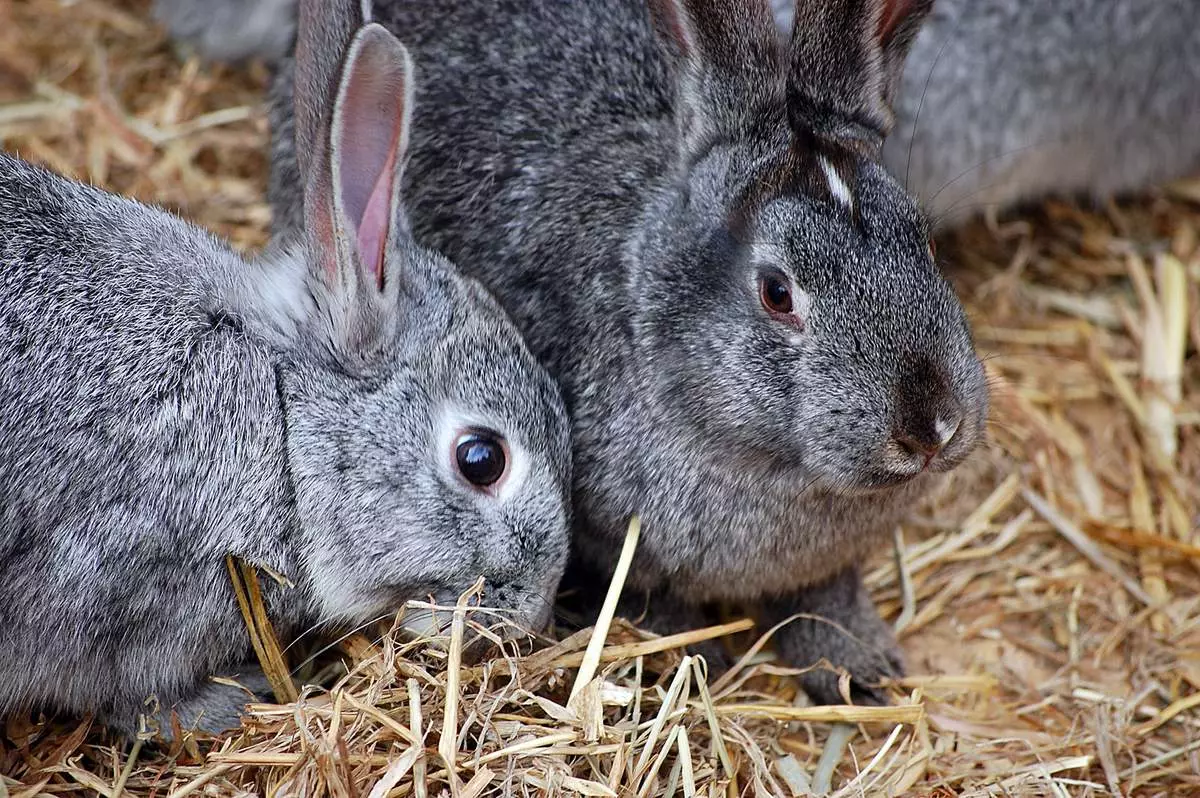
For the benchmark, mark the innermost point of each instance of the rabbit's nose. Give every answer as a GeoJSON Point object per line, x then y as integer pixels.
{"type": "Point", "coordinates": [925, 415]}
{"type": "Point", "coordinates": [927, 437]}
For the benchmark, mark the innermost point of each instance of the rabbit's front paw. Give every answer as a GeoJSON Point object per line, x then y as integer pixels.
{"type": "Point", "coordinates": [216, 707]}
{"type": "Point", "coordinates": [838, 623]}
{"type": "Point", "coordinates": [867, 664]}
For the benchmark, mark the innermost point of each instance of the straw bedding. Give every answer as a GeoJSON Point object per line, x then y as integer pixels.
{"type": "Point", "coordinates": [1047, 596]}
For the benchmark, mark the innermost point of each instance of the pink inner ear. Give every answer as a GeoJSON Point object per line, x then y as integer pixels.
{"type": "Point", "coordinates": [370, 124]}
{"type": "Point", "coordinates": [376, 221]}
{"type": "Point", "coordinates": [891, 15]}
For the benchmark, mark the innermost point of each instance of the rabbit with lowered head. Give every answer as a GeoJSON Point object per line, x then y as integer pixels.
{"type": "Point", "coordinates": [230, 30]}
{"type": "Point", "coordinates": [351, 412]}
{"type": "Point", "coordinates": [692, 226]}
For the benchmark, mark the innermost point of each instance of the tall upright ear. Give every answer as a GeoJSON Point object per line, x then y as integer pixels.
{"type": "Point", "coordinates": [352, 198]}
{"type": "Point", "coordinates": [725, 59]}
{"type": "Point", "coordinates": [846, 60]}
{"type": "Point", "coordinates": [324, 29]}
{"type": "Point", "coordinates": [369, 145]}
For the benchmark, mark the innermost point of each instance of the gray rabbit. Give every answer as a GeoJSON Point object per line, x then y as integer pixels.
{"type": "Point", "coordinates": [230, 30]}
{"type": "Point", "coordinates": [350, 412]}
{"type": "Point", "coordinates": [692, 227]}
{"type": "Point", "coordinates": [1004, 102]}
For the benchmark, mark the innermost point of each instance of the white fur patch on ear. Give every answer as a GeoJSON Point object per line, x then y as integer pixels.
{"type": "Point", "coordinates": [837, 186]}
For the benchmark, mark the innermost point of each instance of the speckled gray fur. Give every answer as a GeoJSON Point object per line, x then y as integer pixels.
{"type": "Point", "coordinates": [230, 30]}
{"type": "Point", "coordinates": [166, 402]}
{"type": "Point", "coordinates": [1019, 100]}
{"type": "Point", "coordinates": [557, 158]}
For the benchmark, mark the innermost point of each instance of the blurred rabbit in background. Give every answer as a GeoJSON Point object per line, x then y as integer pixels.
{"type": "Point", "coordinates": [1002, 102]}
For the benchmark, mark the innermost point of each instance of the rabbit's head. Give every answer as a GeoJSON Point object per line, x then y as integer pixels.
{"type": "Point", "coordinates": [427, 446]}
{"type": "Point", "coordinates": [786, 296]}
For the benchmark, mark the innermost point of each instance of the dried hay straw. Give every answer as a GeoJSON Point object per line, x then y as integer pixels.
{"type": "Point", "coordinates": [1047, 596]}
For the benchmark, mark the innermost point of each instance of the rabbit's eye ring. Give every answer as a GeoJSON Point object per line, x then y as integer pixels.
{"type": "Point", "coordinates": [481, 458]}
{"type": "Point", "coordinates": [776, 293]}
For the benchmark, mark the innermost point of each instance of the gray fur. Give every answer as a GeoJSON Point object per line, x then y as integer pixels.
{"type": "Point", "coordinates": [230, 30]}
{"type": "Point", "coordinates": [167, 403]}
{"type": "Point", "coordinates": [1020, 100]}
{"type": "Point", "coordinates": [588, 170]}
{"type": "Point", "coordinates": [1002, 102]}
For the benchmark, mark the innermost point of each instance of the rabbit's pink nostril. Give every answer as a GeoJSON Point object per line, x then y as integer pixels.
{"type": "Point", "coordinates": [916, 445]}
{"type": "Point", "coordinates": [928, 440]}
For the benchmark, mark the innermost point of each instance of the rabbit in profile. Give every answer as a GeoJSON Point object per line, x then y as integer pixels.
{"type": "Point", "coordinates": [1005, 102]}
{"type": "Point", "coordinates": [691, 225]}
{"type": "Point", "coordinates": [350, 412]}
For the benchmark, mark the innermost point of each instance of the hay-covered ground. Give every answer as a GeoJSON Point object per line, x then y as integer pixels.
{"type": "Point", "coordinates": [1048, 596]}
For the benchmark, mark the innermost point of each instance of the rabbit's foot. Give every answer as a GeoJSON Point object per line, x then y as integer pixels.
{"type": "Point", "coordinates": [840, 625]}
{"type": "Point", "coordinates": [215, 707]}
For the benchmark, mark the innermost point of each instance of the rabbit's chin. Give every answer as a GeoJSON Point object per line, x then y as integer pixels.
{"type": "Point", "coordinates": [423, 618]}
{"type": "Point", "coordinates": [485, 634]}
{"type": "Point", "coordinates": [878, 483]}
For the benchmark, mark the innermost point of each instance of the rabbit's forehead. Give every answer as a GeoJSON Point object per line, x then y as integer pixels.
{"type": "Point", "coordinates": [465, 347]}
{"type": "Point", "coordinates": [826, 180]}
{"type": "Point", "coordinates": [844, 210]}
{"type": "Point", "coordinates": [789, 228]}
{"type": "Point", "coordinates": [486, 372]}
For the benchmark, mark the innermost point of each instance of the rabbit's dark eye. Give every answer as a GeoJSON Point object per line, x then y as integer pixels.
{"type": "Point", "coordinates": [480, 458]}
{"type": "Point", "coordinates": [775, 293]}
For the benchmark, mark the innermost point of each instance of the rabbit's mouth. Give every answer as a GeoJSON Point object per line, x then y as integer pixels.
{"type": "Point", "coordinates": [482, 632]}
{"type": "Point", "coordinates": [879, 481]}
{"type": "Point", "coordinates": [904, 461]}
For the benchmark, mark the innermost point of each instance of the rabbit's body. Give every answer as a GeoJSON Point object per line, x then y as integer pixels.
{"type": "Point", "coordinates": [1008, 101]}
{"type": "Point", "coordinates": [539, 176]}
{"type": "Point", "coordinates": [351, 413]}
{"type": "Point", "coordinates": [557, 162]}
{"type": "Point", "coordinates": [142, 439]}
{"type": "Point", "coordinates": [231, 30]}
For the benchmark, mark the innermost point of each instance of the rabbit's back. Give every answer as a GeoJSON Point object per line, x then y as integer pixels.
{"type": "Point", "coordinates": [1007, 101]}
{"type": "Point", "coordinates": [139, 422]}
{"type": "Point", "coordinates": [550, 71]}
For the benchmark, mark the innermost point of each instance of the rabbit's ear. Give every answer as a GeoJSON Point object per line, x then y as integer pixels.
{"type": "Point", "coordinates": [846, 60]}
{"type": "Point", "coordinates": [725, 57]}
{"type": "Point", "coordinates": [369, 145]}
{"type": "Point", "coordinates": [324, 29]}
{"type": "Point", "coordinates": [352, 199]}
